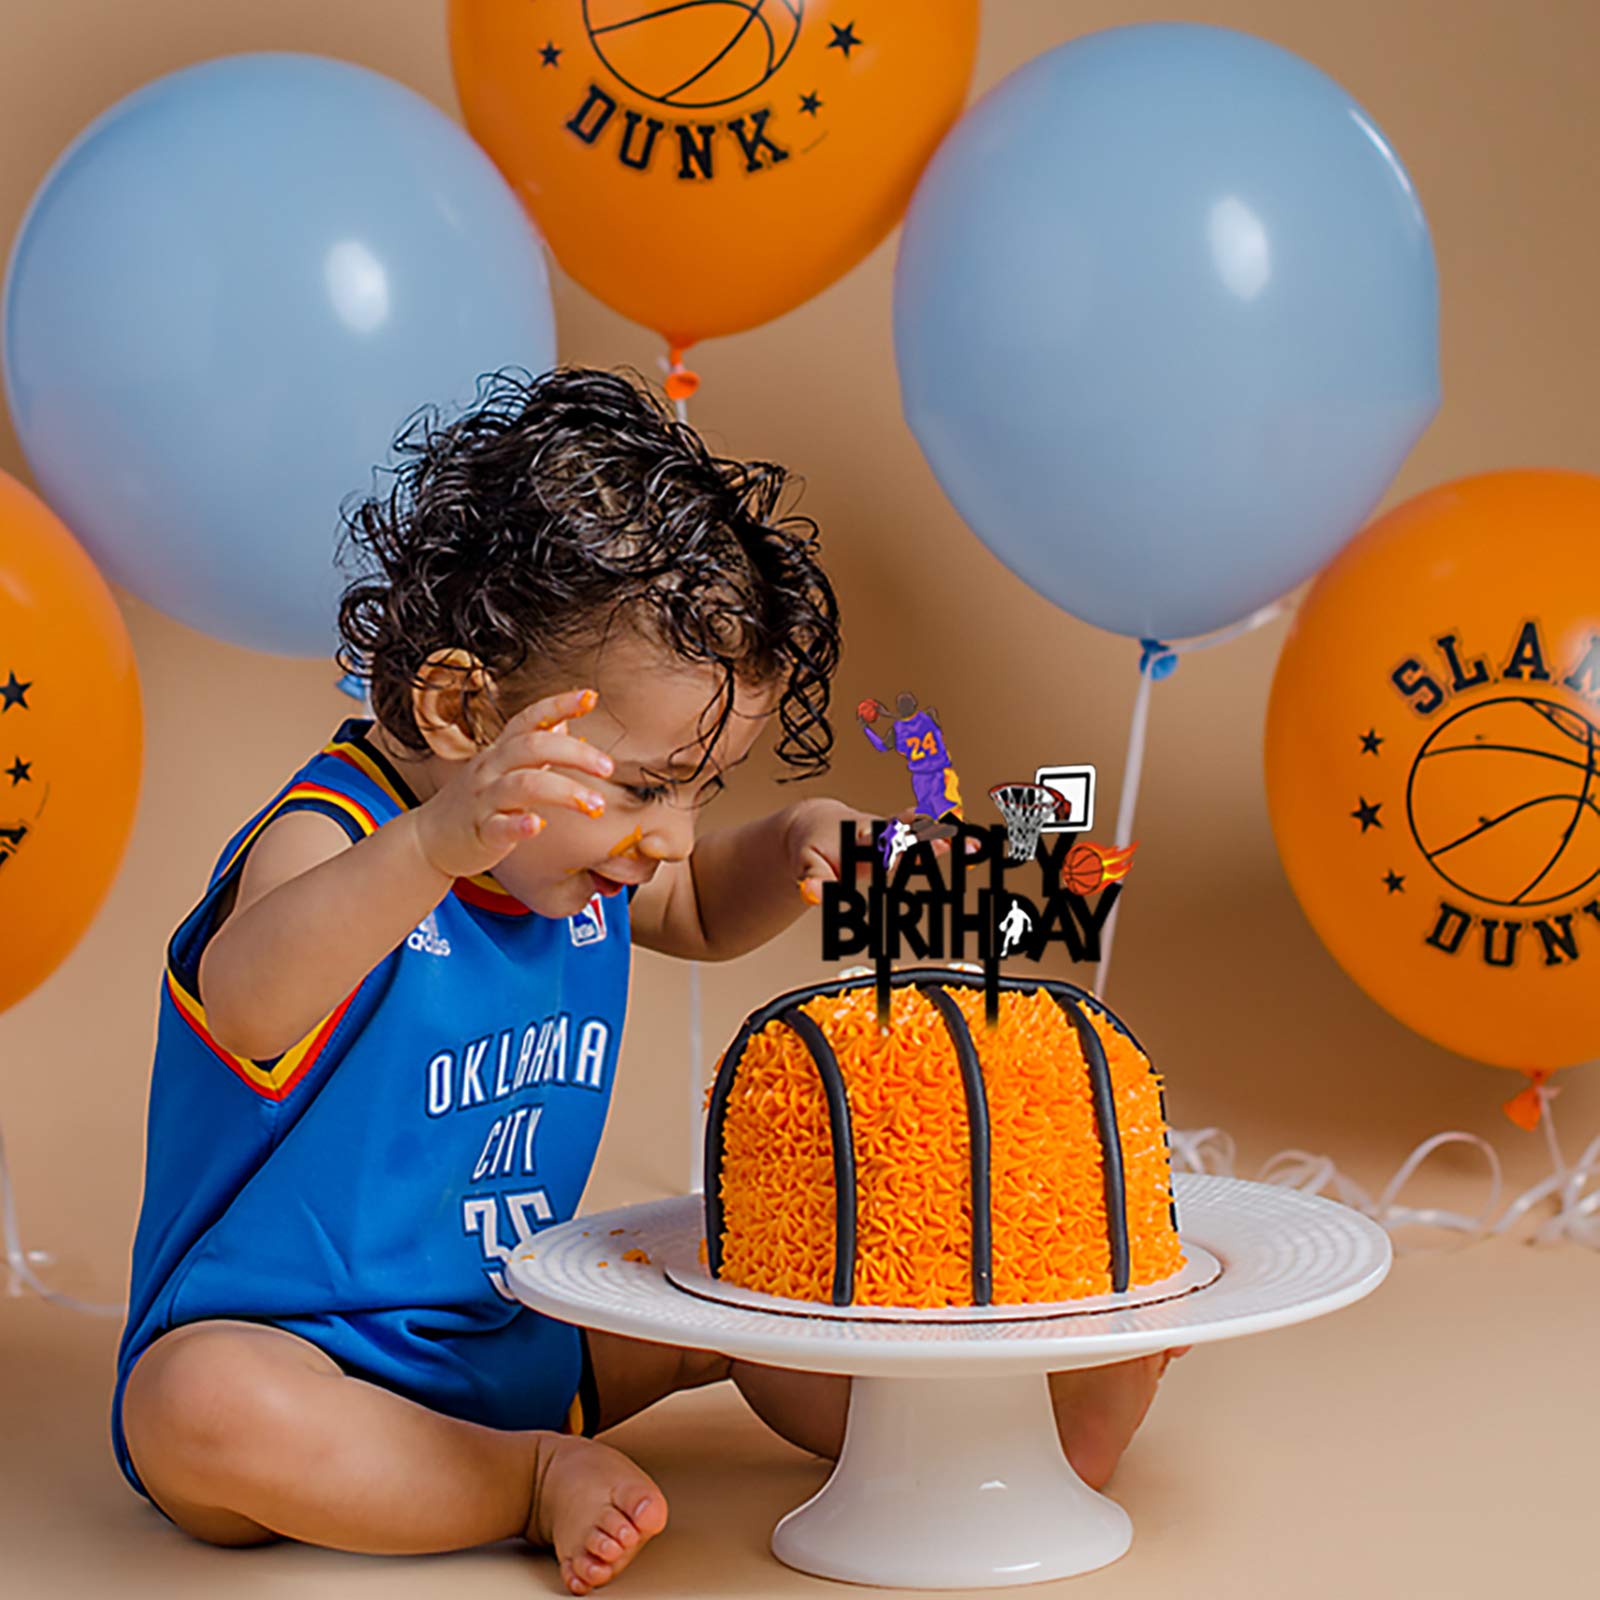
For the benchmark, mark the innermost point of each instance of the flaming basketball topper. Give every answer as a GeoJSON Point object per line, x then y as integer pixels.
{"type": "Point", "coordinates": [1091, 866]}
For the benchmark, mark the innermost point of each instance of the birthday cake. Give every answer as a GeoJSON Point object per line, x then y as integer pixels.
{"type": "Point", "coordinates": [939, 1160]}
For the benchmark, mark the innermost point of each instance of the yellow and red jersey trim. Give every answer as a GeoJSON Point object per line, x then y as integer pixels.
{"type": "Point", "coordinates": [273, 1080]}
{"type": "Point", "coordinates": [356, 755]}
{"type": "Point", "coordinates": [481, 891]}
{"type": "Point", "coordinates": [305, 791]}
{"type": "Point", "coordinates": [487, 895]}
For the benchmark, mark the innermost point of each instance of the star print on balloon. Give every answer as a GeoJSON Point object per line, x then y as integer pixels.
{"type": "Point", "coordinates": [1396, 881]}
{"type": "Point", "coordinates": [13, 693]}
{"type": "Point", "coordinates": [1367, 814]}
{"type": "Point", "coordinates": [844, 38]}
{"type": "Point", "coordinates": [810, 104]}
{"type": "Point", "coordinates": [1370, 742]}
{"type": "Point", "coordinates": [20, 771]}
{"type": "Point", "coordinates": [550, 56]}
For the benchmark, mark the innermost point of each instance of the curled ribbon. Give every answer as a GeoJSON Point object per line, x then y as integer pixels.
{"type": "Point", "coordinates": [20, 1263]}
{"type": "Point", "coordinates": [1575, 1188]}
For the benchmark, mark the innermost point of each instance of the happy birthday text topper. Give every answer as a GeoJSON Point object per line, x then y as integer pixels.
{"type": "Point", "coordinates": [970, 904]}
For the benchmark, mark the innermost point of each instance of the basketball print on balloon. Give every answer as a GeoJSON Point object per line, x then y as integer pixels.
{"type": "Point", "coordinates": [1504, 801]}
{"type": "Point", "coordinates": [703, 166]}
{"type": "Point", "coordinates": [693, 54]}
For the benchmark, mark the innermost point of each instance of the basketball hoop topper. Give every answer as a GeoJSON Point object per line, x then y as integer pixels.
{"type": "Point", "coordinates": [1026, 808]}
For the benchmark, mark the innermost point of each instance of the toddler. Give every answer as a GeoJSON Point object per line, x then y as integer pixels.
{"type": "Point", "coordinates": [389, 1029]}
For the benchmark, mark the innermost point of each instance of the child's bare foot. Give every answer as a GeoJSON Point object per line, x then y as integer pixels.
{"type": "Point", "coordinates": [1099, 1409]}
{"type": "Point", "coordinates": [594, 1506]}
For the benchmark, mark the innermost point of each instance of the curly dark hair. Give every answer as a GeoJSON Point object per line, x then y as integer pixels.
{"type": "Point", "coordinates": [556, 507]}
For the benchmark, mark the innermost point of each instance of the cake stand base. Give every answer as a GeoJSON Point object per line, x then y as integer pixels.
{"type": "Point", "coordinates": [996, 1501]}
{"type": "Point", "coordinates": [951, 1474]}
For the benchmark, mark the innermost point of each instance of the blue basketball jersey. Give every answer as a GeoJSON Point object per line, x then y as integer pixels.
{"type": "Point", "coordinates": [366, 1188]}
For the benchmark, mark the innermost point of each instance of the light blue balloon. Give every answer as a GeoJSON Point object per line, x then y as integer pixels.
{"type": "Point", "coordinates": [1166, 317]}
{"type": "Point", "coordinates": [227, 296]}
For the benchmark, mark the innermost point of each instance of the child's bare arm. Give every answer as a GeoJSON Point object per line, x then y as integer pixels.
{"type": "Point", "coordinates": [743, 886]}
{"type": "Point", "coordinates": [314, 914]}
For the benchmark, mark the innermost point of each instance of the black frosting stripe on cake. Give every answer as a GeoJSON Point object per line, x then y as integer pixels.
{"type": "Point", "coordinates": [840, 1131]}
{"type": "Point", "coordinates": [1105, 1116]}
{"type": "Point", "coordinates": [844, 1153]}
{"type": "Point", "coordinates": [1166, 1140]}
{"type": "Point", "coordinates": [716, 1118]}
{"type": "Point", "coordinates": [977, 1093]}
{"type": "Point", "coordinates": [1067, 995]}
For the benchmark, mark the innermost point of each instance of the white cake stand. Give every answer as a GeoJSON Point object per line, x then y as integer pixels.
{"type": "Point", "coordinates": [952, 1475]}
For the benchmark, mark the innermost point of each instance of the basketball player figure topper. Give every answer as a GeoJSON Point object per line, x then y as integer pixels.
{"type": "Point", "coordinates": [917, 736]}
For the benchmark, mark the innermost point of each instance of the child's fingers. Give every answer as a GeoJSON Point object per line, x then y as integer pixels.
{"type": "Point", "coordinates": [538, 788]}
{"type": "Point", "coordinates": [505, 830]}
{"type": "Point", "coordinates": [541, 748]}
{"type": "Point", "coordinates": [553, 708]}
{"type": "Point", "coordinates": [817, 867]}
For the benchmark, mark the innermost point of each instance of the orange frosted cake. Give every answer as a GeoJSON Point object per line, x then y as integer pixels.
{"type": "Point", "coordinates": [1017, 1163]}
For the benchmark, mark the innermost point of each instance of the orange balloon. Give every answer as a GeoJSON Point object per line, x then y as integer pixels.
{"type": "Point", "coordinates": [71, 741]}
{"type": "Point", "coordinates": [707, 165]}
{"type": "Point", "coordinates": [1433, 765]}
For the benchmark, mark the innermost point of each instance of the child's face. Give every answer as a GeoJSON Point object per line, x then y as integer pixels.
{"type": "Point", "coordinates": [648, 721]}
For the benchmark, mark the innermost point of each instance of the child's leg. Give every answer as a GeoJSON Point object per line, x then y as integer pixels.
{"type": "Point", "coordinates": [1097, 1410]}
{"type": "Point", "coordinates": [243, 1432]}
{"type": "Point", "coordinates": [630, 1374]}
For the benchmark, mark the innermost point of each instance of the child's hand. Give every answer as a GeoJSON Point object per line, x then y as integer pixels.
{"type": "Point", "coordinates": [813, 843]}
{"type": "Point", "coordinates": [494, 802]}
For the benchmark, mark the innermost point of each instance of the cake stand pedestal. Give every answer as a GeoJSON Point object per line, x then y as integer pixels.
{"type": "Point", "coordinates": [952, 1475]}
{"type": "Point", "coordinates": [952, 1483]}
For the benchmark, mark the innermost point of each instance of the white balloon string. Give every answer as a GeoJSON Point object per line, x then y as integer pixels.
{"type": "Point", "coordinates": [697, 1153]}
{"type": "Point", "coordinates": [1575, 1189]}
{"type": "Point", "coordinates": [1132, 773]}
{"type": "Point", "coordinates": [1256, 619]}
{"type": "Point", "coordinates": [20, 1262]}
{"type": "Point", "coordinates": [1157, 659]}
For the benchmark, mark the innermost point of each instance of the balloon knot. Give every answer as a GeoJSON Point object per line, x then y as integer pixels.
{"type": "Point", "coordinates": [681, 382]}
{"type": "Point", "coordinates": [1157, 660]}
{"type": "Point", "coordinates": [353, 685]}
{"type": "Point", "coordinates": [1524, 1109]}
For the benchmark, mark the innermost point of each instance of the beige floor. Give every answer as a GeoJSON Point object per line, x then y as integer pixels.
{"type": "Point", "coordinates": [1436, 1440]}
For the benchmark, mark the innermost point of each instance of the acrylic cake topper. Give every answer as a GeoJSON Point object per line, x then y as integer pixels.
{"type": "Point", "coordinates": [915, 734]}
{"type": "Point", "coordinates": [913, 902]}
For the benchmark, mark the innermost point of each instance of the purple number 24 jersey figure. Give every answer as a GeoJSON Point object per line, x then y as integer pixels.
{"type": "Point", "coordinates": [916, 735]}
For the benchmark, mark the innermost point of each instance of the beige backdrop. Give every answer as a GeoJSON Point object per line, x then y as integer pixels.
{"type": "Point", "coordinates": [1492, 106]}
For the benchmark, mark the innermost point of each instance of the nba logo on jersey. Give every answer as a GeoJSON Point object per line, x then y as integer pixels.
{"type": "Point", "coordinates": [426, 937]}
{"type": "Point", "coordinates": [589, 926]}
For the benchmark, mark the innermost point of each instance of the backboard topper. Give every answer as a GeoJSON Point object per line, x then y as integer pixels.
{"type": "Point", "coordinates": [1075, 785]}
